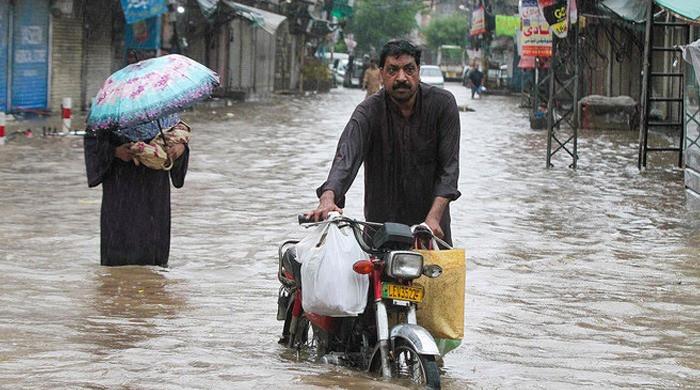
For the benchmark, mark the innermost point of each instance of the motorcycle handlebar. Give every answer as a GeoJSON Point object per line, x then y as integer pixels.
{"type": "Point", "coordinates": [353, 223]}
{"type": "Point", "coordinates": [418, 230]}
{"type": "Point", "coordinates": [304, 219]}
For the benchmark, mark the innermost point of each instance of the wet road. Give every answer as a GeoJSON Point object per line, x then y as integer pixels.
{"type": "Point", "coordinates": [575, 279]}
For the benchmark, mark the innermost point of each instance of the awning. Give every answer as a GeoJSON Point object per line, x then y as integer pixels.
{"type": "Point", "coordinates": [631, 10]}
{"type": "Point", "coordinates": [688, 9]}
{"type": "Point", "coordinates": [636, 10]}
{"type": "Point", "coordinates": [267, 20]}
{"type": "Point", "coordinates": [208, 7]}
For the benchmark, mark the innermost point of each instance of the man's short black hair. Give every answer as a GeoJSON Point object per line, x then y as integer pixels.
{"type": "Point", "coordinates": [398, 47]}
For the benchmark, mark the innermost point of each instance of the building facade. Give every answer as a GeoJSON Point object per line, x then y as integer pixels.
{"type": "Point", "coordinates": [51, 50]}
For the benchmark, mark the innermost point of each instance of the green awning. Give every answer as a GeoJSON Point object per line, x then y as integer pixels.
{"type": "Point", "coordinates": [688, 9]}
{"type": "Point", "coordinates": [636, 10]}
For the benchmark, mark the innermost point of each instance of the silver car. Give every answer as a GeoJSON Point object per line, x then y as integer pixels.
{"type": "Point", "coordinates": [431, 74]}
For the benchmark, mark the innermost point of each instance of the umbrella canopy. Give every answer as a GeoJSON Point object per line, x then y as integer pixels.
{"type": "Point", "coordinates": [150, 90]}
{"type": "Point", "coordinates": [148, 130]}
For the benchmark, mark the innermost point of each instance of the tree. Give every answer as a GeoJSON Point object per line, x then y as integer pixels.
{"type": "Point", "coordinates": [376, 21]}
{"type": "Point", "coordinates": [450, 30]}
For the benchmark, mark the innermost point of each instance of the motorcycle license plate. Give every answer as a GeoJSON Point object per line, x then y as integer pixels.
{"type": "Point", "coordinates": [402, 293]}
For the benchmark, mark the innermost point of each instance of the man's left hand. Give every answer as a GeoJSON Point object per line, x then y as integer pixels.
{"type": "Point", "coordinates": [434, 225]}
{"type": "Point", "coordinates": [175, 151]}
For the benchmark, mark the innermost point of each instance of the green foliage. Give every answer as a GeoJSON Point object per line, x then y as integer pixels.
{"type": "Point", "coordinates": [374, 22]}
{"type": "Point", "coordinates": [450, 30]}
{"type": "Point", "coordinates": [315, 69]}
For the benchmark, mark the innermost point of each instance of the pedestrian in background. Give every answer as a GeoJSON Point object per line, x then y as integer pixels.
{"type": "Point", "coordinates": [372, 81]}
{"type": "Point", "coordinates": [475, 77]}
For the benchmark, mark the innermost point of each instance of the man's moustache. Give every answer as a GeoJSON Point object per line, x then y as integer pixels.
{"type": "Point", "coordinates": [402, 86]}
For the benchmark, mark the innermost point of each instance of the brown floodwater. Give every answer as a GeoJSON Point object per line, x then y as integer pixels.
{"type": "Point", "coordinates": [585, 278]}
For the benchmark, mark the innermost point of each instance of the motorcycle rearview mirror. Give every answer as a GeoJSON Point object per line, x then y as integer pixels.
{"type": "Point", "coordinates": [432, 270]}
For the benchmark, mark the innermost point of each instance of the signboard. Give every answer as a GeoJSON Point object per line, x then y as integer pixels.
{"type": "Point", "coordinates": [554, 12]}
{"type": "Point", "coordinates": [135, 10]}
{"type": "Point", "coordinates": [535, 36]}
{"type": "Point", "coordinates": [507, 26]}
{"type": "Point", "coordinates": [478, 22]}
{"type": "Point", "coordinates": [30, 49]}
{"type": "Point", "coordinates": [144, 34]}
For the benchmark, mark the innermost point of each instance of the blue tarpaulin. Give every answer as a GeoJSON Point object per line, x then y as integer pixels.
{"type": "Point", "coordinates": [144, 34]}
{"type": "Point", "coordinates": [136, 10]}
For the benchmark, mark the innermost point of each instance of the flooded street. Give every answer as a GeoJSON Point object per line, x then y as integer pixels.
{"type": "Point", "coordinates": [586, 278]}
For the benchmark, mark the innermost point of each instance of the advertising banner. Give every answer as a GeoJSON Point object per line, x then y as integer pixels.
{"type": "Point", "coordinates": [478, 22]}
{"type": "Point", "coordinates": [507, 26]}
{"type": "Point", "coordinates": [144, 34]}
{"type": "Point", "coordinates": [136, 10]}
{"type": "Point", "coordinates": [30, 52]}
{"type": "Point", "coordinates": [554, 12]}
{"type": "Point", "coordinates": [535, 36]}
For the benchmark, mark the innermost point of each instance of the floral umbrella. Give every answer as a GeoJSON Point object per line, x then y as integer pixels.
{"type": "Point", "coordinates": [148, 91]}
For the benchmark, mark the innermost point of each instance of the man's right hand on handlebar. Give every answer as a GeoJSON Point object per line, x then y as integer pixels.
{"type": "Point", "coordinates": [326, 204]}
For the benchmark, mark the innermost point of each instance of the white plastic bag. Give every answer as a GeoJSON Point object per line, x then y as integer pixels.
{"type": "Point", "coordinates": [329, 285]}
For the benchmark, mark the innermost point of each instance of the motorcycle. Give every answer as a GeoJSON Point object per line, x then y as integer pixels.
{"type": "Point", "coordinates": [385, 338]}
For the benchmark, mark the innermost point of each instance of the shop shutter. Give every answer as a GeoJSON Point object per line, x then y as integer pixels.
{"type": "Point", "coordinates": [98, 44]}
{"type": "Point", "coordinates": [66, 59]}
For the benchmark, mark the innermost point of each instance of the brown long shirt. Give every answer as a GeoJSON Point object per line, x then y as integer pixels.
{"type": "Point", "coordinates": [408, 162]}
{"type": "Point", "coordinates": [372, 81]}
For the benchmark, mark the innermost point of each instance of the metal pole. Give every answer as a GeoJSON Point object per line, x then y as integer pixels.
{"type": "Point", "coordinates": [644, 112]}
{"type": "Point", "coordinates": [550, 108]}
{"type": "Point", "coordinates": [681, 85]}
{"type": "Point", "coordinates": [576, 92]}
{"type": "Point", "coordinates": [535, 90]}
{"type": "Point", "coordinates": [609, 81]}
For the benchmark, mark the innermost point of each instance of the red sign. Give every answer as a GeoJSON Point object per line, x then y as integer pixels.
{"type": "Point", "coordinates": [478, 22]}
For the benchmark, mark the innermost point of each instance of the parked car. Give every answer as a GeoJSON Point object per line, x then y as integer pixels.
{"type": "Point", "coordinates": [431, 74]}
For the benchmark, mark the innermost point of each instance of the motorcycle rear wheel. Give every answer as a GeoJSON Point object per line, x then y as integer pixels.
{"type": "Point", "coordinates": [409, 364]}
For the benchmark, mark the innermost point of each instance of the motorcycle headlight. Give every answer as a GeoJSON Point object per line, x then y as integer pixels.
{"type": "Point", "coordinates": [404, 265]}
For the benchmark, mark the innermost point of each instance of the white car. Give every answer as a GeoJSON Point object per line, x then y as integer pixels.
{"type": "Point", "coordinates": [341, 70]}
{"type": "Point", "coordinates": [431, 74]}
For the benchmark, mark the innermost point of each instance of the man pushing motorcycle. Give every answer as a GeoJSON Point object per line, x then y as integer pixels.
{"type": "Point", "coordinates": [408, 138]}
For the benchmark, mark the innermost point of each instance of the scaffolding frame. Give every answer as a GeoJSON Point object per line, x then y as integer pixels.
{"type": "Point", "coordinates": [562, 103]}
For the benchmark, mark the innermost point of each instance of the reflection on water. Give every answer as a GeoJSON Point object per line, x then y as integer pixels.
{"type": "Point", "coordinates": [126, 306]}
{"type": "Point", "coordinates": [575, 278]}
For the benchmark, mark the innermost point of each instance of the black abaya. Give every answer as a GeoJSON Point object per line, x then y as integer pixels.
{"type": "Point", "coordinates": [135, 216]}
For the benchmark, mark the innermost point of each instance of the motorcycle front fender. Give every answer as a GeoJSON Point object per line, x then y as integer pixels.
{"type": "Point", "coordinates": [417, 337]}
